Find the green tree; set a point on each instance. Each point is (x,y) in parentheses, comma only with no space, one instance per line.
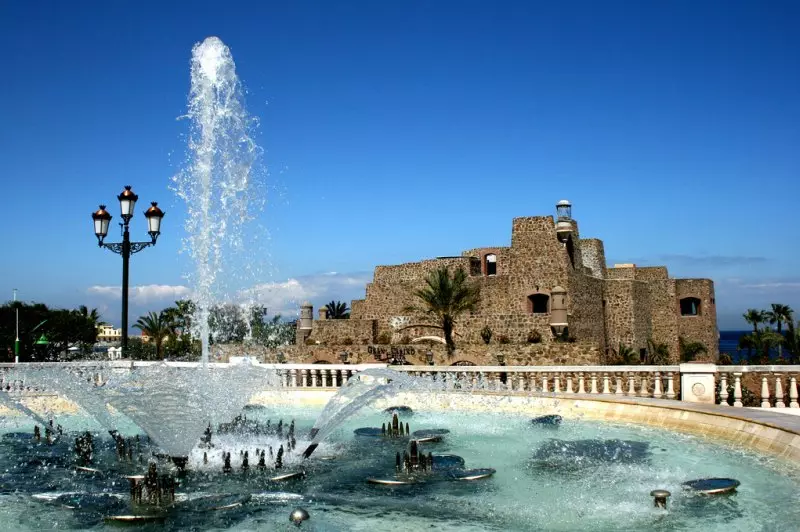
(778,315)
(445,297)
(657,354)
(338,310)
(156,326)
(690,350)
(792,342)
(625,356)
(766,341)
(228,324)
(755,318)
(747,341)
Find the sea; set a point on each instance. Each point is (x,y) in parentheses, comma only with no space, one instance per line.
(729,341)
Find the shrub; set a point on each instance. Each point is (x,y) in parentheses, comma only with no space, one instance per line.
(309,341)
(384,338)
(503,339)
(534,337)
(725,360)
(347,341)
(748,397)
(486,334)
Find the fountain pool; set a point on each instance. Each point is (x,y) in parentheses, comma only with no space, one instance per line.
(580,475)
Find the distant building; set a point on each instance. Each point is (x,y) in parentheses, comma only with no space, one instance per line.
(549,282)
(107,333)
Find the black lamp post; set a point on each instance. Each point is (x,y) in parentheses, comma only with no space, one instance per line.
(429,357)
(343,356)
(126,248)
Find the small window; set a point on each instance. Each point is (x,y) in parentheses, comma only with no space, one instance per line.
(539,303)
(491,264)
(690,306)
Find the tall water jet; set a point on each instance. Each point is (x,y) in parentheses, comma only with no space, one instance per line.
(217,182)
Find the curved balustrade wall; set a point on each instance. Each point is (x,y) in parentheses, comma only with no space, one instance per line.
(778,385)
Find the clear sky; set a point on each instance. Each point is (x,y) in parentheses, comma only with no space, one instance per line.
(396,131)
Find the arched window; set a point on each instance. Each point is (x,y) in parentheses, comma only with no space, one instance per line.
(539,303)
(491,264)
(690,306)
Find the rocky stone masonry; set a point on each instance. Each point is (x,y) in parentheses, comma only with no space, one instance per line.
(605,305)
(577,354)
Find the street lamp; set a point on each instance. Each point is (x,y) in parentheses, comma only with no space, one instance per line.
(16,342)
(126,248)
(343,356)
(501,359)
(429,357)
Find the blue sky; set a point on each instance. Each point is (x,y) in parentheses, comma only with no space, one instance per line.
(396,131)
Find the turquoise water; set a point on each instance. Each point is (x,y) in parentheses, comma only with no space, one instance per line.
(583,475)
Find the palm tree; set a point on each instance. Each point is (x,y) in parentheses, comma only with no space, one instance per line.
(764,342)
(90,319)
(690,350)
(792,342)
(780,314)
(755,317)
(625,356)
(747,342)
(657,354)
(338,310)
(155,325)
(445,297)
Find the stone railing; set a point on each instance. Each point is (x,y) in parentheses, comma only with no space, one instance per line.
(772,386)
(639,381)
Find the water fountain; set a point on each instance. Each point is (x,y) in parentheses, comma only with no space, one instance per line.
(183,453)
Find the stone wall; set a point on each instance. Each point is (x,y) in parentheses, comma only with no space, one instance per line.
(593,256)
(703,327)
(338,332)
(567,354)
(663,316)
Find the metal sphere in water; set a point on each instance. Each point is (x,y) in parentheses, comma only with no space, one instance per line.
(298,515)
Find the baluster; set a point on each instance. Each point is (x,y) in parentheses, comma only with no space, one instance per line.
(737,390)
(644,388)
(557,383)
(793,392)
(474,381)
(521,381)
(510,382)
(723,389)
(313,377)
(581,387)
(670,385)
(606,389)
(779,392)
(764,392)
(657,393)
(544,382)
(618,390)
(304,378)
(285,378)
(631,384)
(293,373)
(569,383)
(323,377)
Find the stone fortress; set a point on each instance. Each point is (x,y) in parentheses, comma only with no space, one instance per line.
(550,287)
